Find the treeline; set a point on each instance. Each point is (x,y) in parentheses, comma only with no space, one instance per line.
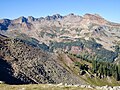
(104,69)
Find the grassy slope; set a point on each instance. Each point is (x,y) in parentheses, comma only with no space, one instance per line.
(93,81)
(101,82)
(38,87)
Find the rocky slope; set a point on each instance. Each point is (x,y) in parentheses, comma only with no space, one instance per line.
(65,28)
(24,60)
(21,63)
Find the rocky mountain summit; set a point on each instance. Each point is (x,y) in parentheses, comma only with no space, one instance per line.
(65,28)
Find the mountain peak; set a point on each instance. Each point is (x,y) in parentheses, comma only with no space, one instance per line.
(71,14)
(54,17)
(92,16)
(97,15)
(4,20)
(21,19)
(31,18)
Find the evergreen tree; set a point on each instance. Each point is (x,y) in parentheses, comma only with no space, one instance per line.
(94,64)
(101,70)
(116,73)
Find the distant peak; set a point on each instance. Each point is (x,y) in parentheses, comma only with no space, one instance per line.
(54,17)
(87,15)
(31,18)
(97,15)
(57,15)
(5,20)
(22,19)
(95,18)
(71,14)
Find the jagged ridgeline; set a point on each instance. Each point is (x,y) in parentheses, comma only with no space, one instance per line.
(91,36)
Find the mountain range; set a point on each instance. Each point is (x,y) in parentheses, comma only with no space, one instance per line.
(45,49)
(59,28)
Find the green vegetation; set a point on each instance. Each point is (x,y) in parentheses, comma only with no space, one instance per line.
(117,48)
(41,34)
(31,41)
(104,69)
(51,35)
(39,87)
(101,82)
(97,71)
(89,50)
(64,37)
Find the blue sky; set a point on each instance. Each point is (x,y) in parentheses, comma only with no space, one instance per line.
(109,9)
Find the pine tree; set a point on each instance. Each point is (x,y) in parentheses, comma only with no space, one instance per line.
(94,65)
(116,73)
(100,70)
(108,69)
